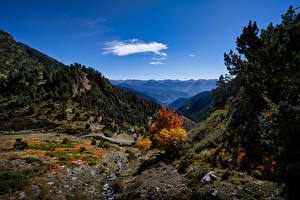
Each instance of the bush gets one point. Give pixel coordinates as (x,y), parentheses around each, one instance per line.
(93,142)
(117,186)
(131,154)
(143,143)
(103,145)
(20,145)
(66,141)
(11,181)
(31,160)
(82,149)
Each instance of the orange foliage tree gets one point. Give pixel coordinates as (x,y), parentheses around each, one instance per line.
(143,143)
(167,129)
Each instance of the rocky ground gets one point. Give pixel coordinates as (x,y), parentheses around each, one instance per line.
(109,171)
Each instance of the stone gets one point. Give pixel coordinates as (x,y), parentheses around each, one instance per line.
(208,177)
(93,172)
(214,193)
(74,178)
(22,195)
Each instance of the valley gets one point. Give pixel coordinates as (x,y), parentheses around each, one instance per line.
(69,133)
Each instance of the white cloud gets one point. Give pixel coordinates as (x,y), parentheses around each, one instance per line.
(192,55)
(163,58)
(133,46)
(156,63)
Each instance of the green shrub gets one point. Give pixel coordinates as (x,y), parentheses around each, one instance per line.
(66,141)
(11,181)
(31,160)
(103,145)
(82,149)
(131,154)
(93,142)
(20,145)
(117,186)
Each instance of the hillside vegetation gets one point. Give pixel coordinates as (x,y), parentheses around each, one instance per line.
(38,92)
(255,127)
(15,55)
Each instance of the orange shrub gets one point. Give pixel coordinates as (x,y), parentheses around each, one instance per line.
(167,129)
(166,119)
(143,143)
(169,137)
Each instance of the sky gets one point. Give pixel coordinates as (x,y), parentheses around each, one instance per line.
(138,39)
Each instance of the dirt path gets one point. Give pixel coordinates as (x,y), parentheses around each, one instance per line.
(118,141)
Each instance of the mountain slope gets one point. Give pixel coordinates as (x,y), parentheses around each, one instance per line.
(196,106)
(40,92)
(167,91)
(256,126)
(14,55)
(183,101)
(140,94)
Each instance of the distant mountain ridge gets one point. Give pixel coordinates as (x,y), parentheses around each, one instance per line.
(178,103)
(195,107)
(167,91)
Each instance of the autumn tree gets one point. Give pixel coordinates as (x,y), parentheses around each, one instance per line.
(143,143)
(167,130)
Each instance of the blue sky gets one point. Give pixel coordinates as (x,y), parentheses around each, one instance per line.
(138,39)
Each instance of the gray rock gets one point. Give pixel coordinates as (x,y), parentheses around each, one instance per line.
(22,195)
(208,177)
(214,193)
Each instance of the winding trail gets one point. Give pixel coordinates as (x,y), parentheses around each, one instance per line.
(113,140)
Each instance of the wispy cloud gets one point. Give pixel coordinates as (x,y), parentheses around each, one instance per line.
(192,55)
(162,58)
(134,46)
(156,63)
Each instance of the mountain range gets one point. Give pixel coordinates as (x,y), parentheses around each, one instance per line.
(167,91)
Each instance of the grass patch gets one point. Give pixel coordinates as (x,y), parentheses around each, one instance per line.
(92,160)
(50,146)
(65,155)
